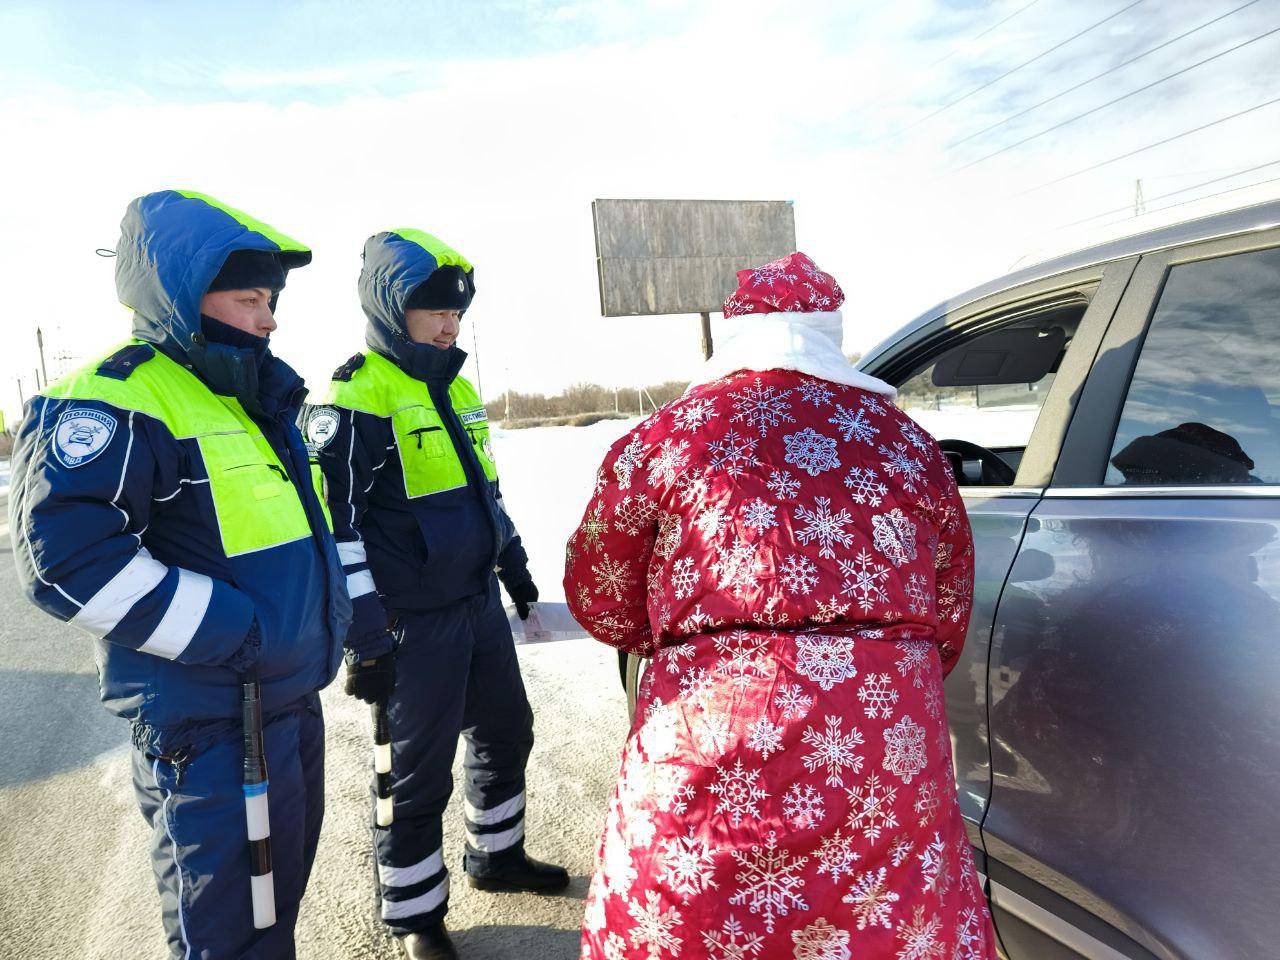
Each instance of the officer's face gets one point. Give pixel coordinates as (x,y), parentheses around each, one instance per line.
(247,310)
(436,327)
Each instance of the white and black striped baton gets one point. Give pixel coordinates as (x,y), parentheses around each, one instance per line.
(262,885)
(383,814)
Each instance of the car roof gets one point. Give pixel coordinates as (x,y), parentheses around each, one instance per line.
(1259,216)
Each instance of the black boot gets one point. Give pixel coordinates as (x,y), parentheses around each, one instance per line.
(522,874)
(432,943)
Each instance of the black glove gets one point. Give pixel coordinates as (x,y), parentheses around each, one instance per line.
(523,596)
(370,680)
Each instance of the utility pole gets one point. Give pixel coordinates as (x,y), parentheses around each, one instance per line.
(40,346)
(1139,204)
(475,348)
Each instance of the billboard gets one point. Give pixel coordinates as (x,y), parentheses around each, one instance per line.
(680,256)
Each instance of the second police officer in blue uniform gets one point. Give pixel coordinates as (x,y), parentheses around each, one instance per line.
(403,441)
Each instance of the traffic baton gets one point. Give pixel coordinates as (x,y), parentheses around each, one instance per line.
(382,764)
(261,883)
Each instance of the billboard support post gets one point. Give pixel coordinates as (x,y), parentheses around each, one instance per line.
(706,335)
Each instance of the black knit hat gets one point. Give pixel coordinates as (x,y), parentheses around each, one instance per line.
(448,288)
(249,270)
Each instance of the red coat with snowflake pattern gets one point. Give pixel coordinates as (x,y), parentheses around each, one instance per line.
(794,556)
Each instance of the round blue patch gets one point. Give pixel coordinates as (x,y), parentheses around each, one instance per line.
(81,435)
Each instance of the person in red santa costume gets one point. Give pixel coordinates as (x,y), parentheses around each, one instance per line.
(790,550)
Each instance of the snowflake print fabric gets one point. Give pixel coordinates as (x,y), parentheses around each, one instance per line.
(793,282)
(811,452)
(794,555)
(761,407)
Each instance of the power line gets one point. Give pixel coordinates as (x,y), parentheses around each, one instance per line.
(1183,174)
(1025,63)
(1207,196)
(1111,103)
(994,26)
(1171,193)
(1099,76)
(1149,146)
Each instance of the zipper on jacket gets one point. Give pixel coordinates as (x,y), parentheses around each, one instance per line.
(306,494)
(420,431)
(470,462)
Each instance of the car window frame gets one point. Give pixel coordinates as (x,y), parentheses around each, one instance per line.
(1086,449)
(1100,287)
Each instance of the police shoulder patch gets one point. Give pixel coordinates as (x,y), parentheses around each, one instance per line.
(322,426)
(345,371)
(81,435)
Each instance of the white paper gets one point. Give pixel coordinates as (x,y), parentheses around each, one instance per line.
(547,623)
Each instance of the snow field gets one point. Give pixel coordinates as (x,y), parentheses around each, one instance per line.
(547,475)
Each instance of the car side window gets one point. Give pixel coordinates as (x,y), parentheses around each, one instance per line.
(986,393)
(1204,403)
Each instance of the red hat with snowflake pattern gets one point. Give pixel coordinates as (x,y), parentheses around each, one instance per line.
(790,284)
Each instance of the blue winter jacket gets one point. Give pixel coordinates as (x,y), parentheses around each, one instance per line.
(113,515)
(408,553)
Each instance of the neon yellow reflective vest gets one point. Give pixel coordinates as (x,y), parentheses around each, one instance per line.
(256,505)
(428,459)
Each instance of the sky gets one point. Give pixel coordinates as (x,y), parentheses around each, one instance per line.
(928,146)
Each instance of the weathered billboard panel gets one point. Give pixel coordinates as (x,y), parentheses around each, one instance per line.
(680,256)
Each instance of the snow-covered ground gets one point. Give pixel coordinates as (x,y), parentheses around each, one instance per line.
(4,477)
(986,426)
(546,474)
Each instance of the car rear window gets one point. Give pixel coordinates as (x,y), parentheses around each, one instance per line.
(1202,406)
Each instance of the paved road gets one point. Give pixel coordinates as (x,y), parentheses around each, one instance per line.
(75,878)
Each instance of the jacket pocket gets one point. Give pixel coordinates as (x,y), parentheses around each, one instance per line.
(427,456)
(254,500)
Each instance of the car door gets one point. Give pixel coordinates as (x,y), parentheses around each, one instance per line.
(1135,653)
(1086,299)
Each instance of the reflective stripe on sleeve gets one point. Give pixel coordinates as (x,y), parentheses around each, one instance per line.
(360,583)
(109,605)
(183,618)
(352,552)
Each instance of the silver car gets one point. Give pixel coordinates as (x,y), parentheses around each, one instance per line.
(1112,418)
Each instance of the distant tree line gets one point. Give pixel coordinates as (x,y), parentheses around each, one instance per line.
(584,398)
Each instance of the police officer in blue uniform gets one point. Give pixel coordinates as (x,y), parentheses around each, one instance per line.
(162,501)
(403,441)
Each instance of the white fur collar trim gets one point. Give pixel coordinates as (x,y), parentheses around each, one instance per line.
(804,342)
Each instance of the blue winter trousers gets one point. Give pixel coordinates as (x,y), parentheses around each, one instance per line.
(456,673)
(199,848)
